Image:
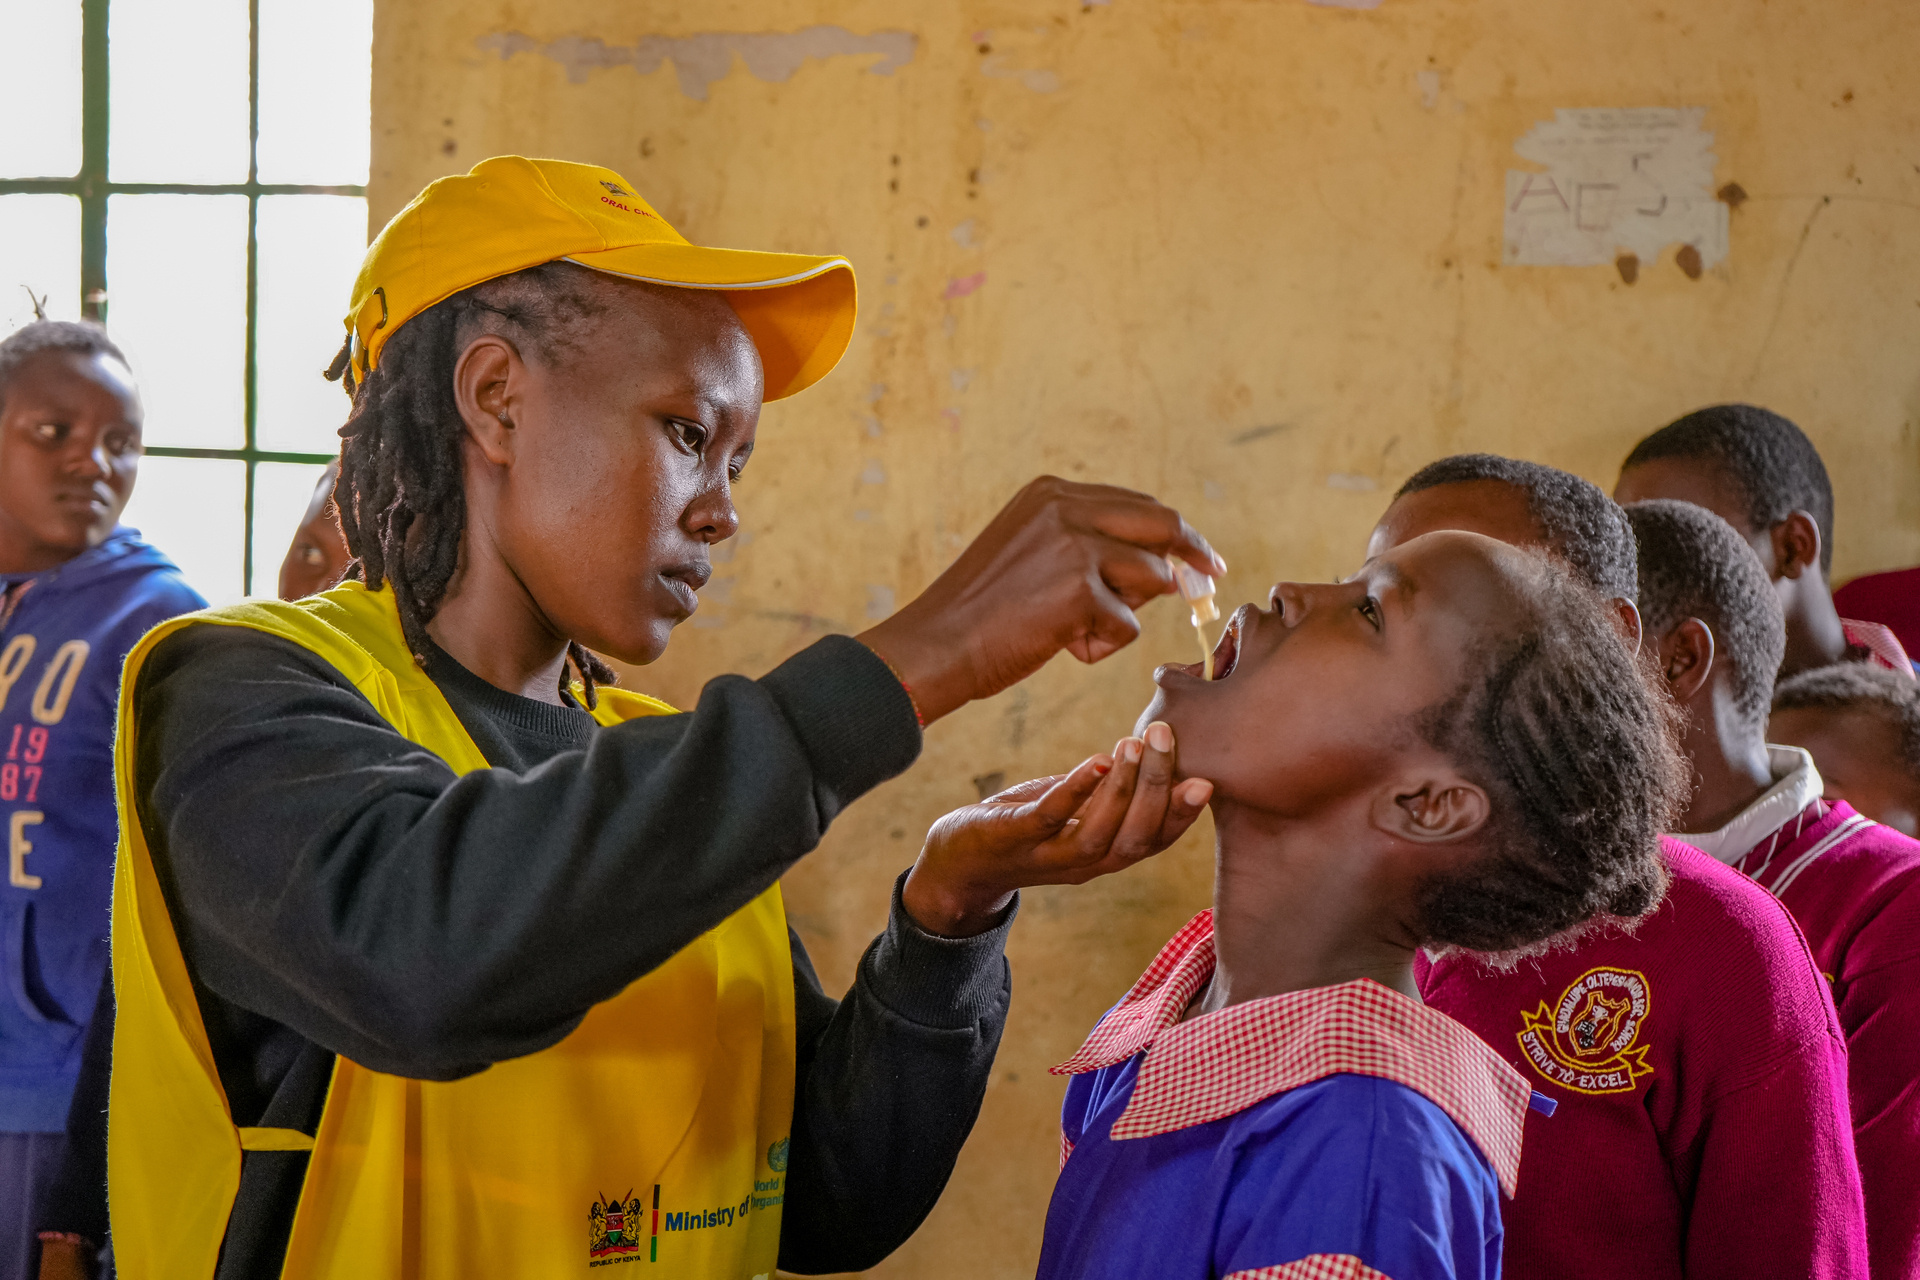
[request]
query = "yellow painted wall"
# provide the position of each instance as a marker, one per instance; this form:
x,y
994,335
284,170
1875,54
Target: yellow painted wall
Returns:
x,y
1245,254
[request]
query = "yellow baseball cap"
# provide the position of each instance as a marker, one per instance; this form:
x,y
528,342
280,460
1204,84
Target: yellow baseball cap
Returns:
x,y
510,213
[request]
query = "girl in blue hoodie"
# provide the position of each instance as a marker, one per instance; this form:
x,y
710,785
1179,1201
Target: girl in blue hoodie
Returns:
x,y
77,589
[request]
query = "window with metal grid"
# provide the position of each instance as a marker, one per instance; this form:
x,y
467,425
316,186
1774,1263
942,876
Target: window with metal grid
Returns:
x,y
192,173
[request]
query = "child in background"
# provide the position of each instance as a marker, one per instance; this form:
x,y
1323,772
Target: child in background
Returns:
x,y
1760,473
1891,599
1852,884
1861,724
1397,764
77,589
1722,1054
319,552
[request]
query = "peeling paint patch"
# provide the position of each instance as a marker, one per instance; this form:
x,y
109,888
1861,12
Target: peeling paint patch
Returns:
x,y
1617,180
1428,82
961,286
1352,483
873,473
1260,433
879,601
963,235
1038,79
960,378
701,59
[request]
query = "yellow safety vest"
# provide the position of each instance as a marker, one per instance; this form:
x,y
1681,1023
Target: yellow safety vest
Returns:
x,y
654,1135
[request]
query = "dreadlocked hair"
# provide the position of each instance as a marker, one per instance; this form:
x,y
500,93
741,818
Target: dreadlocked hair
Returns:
x,y
1580,760
402,496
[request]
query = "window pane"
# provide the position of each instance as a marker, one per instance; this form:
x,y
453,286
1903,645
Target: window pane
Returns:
x,y
316,79
179,90
39,249
310,248
41,86
194,509
281,491
177,304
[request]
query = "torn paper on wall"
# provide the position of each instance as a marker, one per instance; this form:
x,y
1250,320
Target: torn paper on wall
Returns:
x,y
1617,180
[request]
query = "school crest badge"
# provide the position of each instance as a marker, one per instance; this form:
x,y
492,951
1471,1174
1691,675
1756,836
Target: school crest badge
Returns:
x,y
1589,1039
614,1226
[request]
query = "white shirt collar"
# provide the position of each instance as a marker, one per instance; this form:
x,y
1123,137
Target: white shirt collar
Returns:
x,y
1796,785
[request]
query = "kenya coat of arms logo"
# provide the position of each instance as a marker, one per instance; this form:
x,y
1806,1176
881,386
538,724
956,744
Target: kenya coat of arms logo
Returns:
x,y
1587,1040
614,1226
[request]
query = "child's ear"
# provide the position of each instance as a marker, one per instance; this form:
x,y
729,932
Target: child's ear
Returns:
x,y
1796,545
1626,615
1435,809
1686,659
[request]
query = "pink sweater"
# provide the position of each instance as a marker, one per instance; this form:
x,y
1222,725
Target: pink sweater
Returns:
x,y
1701,1075
1854,887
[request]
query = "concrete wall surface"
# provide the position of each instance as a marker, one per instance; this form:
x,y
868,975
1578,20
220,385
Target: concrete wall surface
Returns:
x,y
1262,258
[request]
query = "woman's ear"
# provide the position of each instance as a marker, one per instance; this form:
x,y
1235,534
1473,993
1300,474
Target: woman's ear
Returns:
x,y
484,380
1435,808
1686,659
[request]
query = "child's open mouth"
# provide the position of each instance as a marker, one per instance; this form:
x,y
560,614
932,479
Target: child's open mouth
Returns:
x,y
1225,654
1228,649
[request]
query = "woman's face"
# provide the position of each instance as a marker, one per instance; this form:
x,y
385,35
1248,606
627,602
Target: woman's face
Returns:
x,y
629,444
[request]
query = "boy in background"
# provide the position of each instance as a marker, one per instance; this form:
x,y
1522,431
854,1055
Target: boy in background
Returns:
x,y
76,591
319,552
1760,473
1861,724
1852,884
1684,1054
1401,760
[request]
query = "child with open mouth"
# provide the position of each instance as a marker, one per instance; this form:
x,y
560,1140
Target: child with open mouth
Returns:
x,y
1450,749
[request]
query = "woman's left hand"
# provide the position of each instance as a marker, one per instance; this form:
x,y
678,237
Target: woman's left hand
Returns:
x,y
1108,814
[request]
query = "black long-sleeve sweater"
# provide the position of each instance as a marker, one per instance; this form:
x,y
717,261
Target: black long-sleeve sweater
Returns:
x,y
337,889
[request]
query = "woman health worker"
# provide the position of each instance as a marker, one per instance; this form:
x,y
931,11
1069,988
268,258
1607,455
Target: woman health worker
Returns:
x,y
436,957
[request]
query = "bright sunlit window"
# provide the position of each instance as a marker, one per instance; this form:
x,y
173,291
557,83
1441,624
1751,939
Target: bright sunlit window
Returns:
x,y
193,174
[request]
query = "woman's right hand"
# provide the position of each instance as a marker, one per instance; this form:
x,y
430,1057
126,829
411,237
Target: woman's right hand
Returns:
x,y
1105,816
1062,566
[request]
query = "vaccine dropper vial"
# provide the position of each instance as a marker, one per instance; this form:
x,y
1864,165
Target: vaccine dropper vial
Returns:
x,y
1196,589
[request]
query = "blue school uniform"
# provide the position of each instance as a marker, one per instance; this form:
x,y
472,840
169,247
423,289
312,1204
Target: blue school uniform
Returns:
x,y
61,649
1339,1133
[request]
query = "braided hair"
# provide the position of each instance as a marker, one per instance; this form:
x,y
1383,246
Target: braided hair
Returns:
x,y
402,494
1580,760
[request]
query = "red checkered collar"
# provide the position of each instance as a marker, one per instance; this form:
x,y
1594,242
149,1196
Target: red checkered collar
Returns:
x,y
1880,644
1221,1063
